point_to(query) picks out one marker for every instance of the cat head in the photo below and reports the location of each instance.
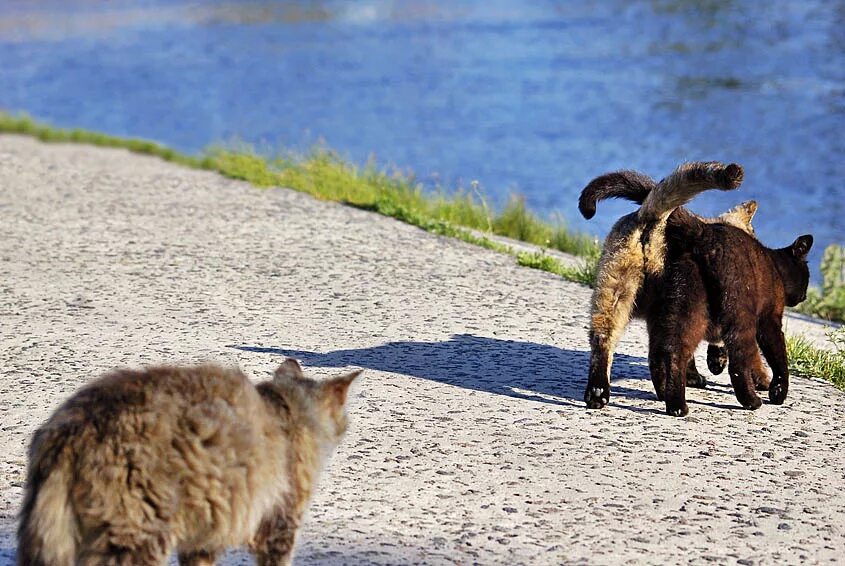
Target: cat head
(320, 404)
(740, 216)
(794, 271)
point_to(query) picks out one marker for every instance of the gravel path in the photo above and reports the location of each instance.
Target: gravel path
(469, 442)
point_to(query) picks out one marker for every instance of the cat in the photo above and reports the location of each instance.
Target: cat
(720, 276)
(194, 459)
(631, 267)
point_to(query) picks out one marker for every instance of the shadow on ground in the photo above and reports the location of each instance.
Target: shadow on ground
(506, 367)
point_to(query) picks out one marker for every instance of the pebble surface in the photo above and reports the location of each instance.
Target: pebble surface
(469, 441)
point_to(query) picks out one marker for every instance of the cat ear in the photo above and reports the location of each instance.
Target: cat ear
(801, 246)
(289, 369)
(337, 388)
(749, 209)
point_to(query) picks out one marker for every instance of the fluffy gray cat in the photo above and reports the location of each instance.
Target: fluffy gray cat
(138, 464)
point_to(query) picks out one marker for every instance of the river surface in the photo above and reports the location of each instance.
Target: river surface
(529, 97)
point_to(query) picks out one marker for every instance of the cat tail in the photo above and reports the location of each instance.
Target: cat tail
(629, 185)
(684, 183)
(48, 534)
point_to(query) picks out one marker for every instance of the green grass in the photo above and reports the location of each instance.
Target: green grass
(324, 174)
(808, 361)
(828, 301)
(584, 272)
(27, 126)
(462, 214)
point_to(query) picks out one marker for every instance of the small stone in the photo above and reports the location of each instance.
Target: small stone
(784, 527)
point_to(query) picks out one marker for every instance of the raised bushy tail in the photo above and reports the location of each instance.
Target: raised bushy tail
(660, 199)
(629, 185)
(47, 531)
(686, 182)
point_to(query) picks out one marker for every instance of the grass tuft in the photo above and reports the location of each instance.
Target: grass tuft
(808, 361)
(517, 222)
(829, 300)
(584, 272)
(24, 125)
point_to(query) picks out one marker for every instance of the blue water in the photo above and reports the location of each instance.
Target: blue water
(535, 98)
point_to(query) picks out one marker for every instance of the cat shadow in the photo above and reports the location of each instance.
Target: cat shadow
(505, 367)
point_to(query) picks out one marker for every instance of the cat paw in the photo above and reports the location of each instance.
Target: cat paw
(777, 393)
(717, 359)
(597, 397)
(754, 404)
(680, 411)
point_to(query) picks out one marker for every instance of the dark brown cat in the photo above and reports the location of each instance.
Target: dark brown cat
(138, 464)
(720, 276)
